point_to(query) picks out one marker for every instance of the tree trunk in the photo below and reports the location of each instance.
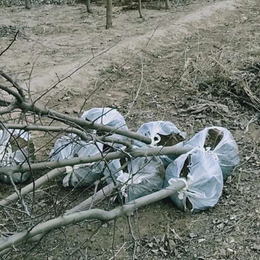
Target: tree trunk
(140, 8)
(167, 4)
(109, 14)
(89, 10)
(28, 4)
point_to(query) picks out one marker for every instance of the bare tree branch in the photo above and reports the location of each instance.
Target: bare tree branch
(33, 186)
(138, 152)
(45, 111)
(11, 92)
(99, 214)
(81, 134)
(8, 109)
(14, 83)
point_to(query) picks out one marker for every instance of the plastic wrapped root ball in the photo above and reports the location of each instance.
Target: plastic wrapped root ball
(65, 147)
(162, 133)
(204, 179)
(221, 142)
(83, 174)
(144, 176)
(108, 117)
(114, 169)
(16, 147)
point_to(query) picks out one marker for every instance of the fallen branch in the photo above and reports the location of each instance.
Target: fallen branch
(102, 215)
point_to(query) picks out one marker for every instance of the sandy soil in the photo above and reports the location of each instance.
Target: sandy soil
(184, 57)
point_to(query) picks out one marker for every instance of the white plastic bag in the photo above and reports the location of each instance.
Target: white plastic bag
(10, 156)
(144, 176)
(108, 117)
(226, 149)
(162, 133)
(83, 174)
(155, 130)
(204, 180)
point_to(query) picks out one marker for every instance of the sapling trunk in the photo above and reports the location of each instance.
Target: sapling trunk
(28, 4)
(109, 14)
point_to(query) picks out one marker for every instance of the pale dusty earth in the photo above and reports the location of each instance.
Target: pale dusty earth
(162, 67)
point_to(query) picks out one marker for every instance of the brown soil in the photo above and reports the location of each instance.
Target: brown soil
(192, 62)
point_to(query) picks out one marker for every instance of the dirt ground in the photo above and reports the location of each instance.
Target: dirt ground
(188, 65)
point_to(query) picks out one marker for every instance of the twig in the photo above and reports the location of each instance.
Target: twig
(11, 43)
(75, 70)
(252, 120)
(138, 90)
(14, 83)
(119, 250)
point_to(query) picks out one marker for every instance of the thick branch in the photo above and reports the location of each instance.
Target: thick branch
(33, 186)
(140, 152)
(99, 214)
(101, 194)
(44, 111)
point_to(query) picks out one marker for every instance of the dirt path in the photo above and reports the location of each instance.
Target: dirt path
(54, 48)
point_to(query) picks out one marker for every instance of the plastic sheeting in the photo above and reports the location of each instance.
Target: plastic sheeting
(204, 180)
(221, 143)
(10, 156)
